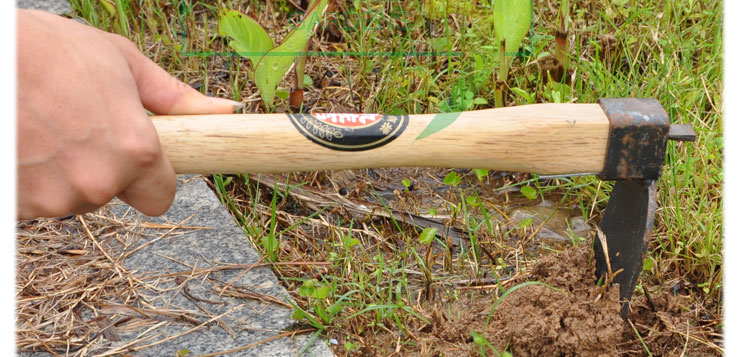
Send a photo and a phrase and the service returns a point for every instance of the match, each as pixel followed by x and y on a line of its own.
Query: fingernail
pixel 237 106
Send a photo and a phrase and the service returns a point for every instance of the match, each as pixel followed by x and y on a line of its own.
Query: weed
pixel 270 64
pixel 512 20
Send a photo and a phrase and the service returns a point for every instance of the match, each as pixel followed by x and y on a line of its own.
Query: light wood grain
pixel 538 138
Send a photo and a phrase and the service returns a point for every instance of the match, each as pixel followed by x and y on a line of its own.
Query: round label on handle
pixel 349 131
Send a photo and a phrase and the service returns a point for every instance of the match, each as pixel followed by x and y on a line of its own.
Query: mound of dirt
pixel 574 318
pixel 569 315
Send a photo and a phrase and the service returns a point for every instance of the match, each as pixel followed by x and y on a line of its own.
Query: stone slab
pixel 221 244
pixel 59 7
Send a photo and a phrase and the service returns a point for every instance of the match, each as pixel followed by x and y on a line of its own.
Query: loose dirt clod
pixel 569 319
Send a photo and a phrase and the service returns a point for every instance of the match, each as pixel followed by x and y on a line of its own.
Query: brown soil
pixel 575 318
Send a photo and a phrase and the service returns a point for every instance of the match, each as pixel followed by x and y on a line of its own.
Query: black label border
pixel 339 138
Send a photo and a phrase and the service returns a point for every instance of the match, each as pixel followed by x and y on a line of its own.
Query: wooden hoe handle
pixel 538 138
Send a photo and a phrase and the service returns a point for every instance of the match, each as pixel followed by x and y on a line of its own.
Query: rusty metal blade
pixel 627 224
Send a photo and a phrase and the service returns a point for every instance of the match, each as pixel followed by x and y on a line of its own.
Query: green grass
pixel 668 50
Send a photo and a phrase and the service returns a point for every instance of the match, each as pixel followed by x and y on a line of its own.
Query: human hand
pixel 84 136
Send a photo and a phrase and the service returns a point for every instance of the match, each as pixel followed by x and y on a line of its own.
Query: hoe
pixel 624 140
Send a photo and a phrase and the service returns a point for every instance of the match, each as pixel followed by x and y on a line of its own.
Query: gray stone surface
pixel 221 244
pixel 56 6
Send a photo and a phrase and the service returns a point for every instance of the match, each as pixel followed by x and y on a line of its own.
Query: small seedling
pixel 512 20
pixel 407 184
pixel 313 289
pixel 461 99
pixel 481 173
pixel 526 96
pixel 427 235
pixel 452 179
pixel 482 343
pixel 526 223
pixel 557 92
pixel 269 242
pixel 317 293
pixel 270 64
pixel 648 264
pixel 529 192
pixel 350 242
pixel 473 201
pixel 351 346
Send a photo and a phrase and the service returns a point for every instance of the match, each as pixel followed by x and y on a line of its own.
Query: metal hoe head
pixel 639 131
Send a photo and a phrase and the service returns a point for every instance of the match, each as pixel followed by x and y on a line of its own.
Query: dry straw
pixel 75 297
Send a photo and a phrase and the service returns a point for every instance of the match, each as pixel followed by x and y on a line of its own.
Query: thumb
pixel 163 94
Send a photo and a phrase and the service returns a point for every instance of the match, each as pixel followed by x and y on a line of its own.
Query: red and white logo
pixel 349 120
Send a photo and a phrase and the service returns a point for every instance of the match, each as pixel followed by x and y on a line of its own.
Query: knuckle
pixel 99 195
pixel 96 189
pixel 143 152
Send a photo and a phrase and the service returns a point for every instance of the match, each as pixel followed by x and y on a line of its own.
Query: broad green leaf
pixel 473 201
pixel 440 44
pixel 249 38
pixel 271 244
pixel 439 122
pixel 312 289
pixel 481 173
pixel 479 101
pixel 512 19
pixel 282 94
pixel 427 235
pixel 308 81
pixel 273 66
pixel 320 292
pixel 528 192
pixel 452 179
pixel 478 62
pixel 307 288
pixel 332 310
